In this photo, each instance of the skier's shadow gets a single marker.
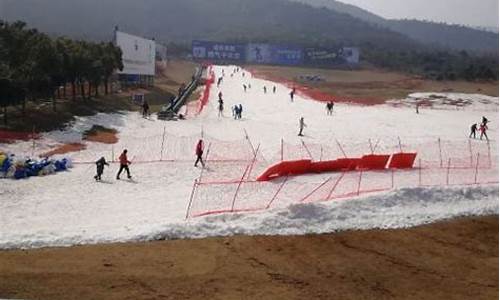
(105, 182)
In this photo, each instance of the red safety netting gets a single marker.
(247, 195)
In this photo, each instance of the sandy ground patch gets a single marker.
(456, 259)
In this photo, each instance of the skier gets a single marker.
(302, 124)
(483, 129)
(329, 108)
(240, 110)
(145, 109)
(292, 94)
(265, 90)
(100, 168)
(219, 81)
(233, 110)
(124, 162)
(199, 153)
(274, 89)
(221, 107)
(485, 121)
(473, 130)
(245, 87)
(220, 96)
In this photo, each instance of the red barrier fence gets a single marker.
(251, 196)
(206, 93)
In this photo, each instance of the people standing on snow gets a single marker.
(245, 87)
(265, 90)
(483, 129)
(100, 168)
(199, 153)
(274, 89)
(124, 163)
(145, 109)
(302, 125)
(473, 130)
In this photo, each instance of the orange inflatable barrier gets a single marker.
(367, 162)
(373, 162)
(402, 160)
(284, 168)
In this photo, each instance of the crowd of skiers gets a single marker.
(483, 127)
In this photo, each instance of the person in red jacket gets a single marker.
(124, 162)
(199, 153)
(483, 129)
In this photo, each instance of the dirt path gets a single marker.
(451, 260)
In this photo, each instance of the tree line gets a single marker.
(34, 66)
(436, 64)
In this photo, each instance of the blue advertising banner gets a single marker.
(218, 51)
(274, 54)
(286, 55)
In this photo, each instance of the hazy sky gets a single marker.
(468, 12)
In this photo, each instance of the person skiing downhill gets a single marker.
(274, 89)
(302, 125)
(265, 90)
(483, 129)
(124, 162)
(473, 130)
(100, 168)
(245, 87)
(199, 153)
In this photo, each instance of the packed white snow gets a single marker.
(71, 208)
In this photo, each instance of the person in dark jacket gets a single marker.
(485, 121)
(124, 162)
(302, 125)
(199, 153)
(292, 94)
(473, 130)
(100, 168)
(145, 109)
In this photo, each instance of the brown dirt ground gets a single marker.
(104, 135)
(370, 86)
(456, 259)
(66, 148)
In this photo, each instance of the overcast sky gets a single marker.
(468, 12)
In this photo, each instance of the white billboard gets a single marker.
(138, 54)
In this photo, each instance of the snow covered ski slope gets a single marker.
(71, 208)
